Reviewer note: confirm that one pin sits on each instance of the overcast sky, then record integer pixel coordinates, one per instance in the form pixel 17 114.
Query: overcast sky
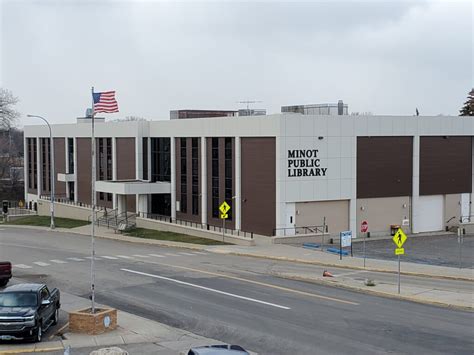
pixel 381 57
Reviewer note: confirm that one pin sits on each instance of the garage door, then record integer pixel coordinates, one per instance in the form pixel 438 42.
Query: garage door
pixel 431 212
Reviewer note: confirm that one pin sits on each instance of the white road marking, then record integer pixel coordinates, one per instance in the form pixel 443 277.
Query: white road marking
pixel 22 266
pixel 350 273
pixel 200 252
pixel 40 263
pixel 76 259
pixel 157 255
pixel 206 288
pixel 58 261
pixel 170 254
pixel 90 257
pixel 109 257
pixel 124 256
pixel 141 256
pixel 187 254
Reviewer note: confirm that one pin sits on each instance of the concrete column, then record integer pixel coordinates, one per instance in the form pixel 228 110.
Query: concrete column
pixel 238 195
pixel 121 203
pixel 143 204
pixel 66 150
pixel 76 183
pixel 203 180
pixel 472 182
pixel 39 166
pixel 114 169
pixel 26 178
pixel 353 201
pixel 416 185
pixel 138 163
pixel 173 177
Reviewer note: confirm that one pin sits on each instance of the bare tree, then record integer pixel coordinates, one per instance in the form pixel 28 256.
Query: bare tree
pixel 8 114
pixel 130 119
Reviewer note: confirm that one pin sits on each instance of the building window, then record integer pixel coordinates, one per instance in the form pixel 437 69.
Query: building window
pixel 215 177
pixel 70 152
pixel 160 159
pixel 101 164
pixel 35 163
pixel 195 175
pixel 228 174
pixel 71 190
pixel 145 158
pixel 46 173
pixel 30 162
pixel 184 177
pixel 109 175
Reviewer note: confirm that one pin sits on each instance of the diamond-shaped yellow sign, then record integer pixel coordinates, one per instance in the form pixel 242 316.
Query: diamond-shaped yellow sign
pixel 399 238
pixel 224 207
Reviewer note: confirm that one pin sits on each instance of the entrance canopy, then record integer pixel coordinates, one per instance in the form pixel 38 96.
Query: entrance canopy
pixel 133 187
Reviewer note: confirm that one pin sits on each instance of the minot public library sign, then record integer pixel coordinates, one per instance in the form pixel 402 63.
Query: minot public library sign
pixel 305 162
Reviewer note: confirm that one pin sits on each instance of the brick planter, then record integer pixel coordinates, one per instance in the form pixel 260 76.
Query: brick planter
pixel 83 321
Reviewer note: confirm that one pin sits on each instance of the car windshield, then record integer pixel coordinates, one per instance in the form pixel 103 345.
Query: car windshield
pixel 17 299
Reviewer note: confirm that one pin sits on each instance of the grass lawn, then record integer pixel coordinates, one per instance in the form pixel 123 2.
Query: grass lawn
pixel 174 237
pixel 45 221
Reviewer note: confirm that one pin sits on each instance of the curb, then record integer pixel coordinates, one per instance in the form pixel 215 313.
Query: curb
pixel 377 293
pixel 313 262
pixel 29 350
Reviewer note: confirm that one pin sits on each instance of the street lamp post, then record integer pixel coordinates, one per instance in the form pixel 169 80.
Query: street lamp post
pixel 51 159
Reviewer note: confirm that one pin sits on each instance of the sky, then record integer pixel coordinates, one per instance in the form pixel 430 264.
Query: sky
pixel 387 58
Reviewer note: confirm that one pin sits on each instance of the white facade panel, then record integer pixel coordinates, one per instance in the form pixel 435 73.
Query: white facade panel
pixel 431 213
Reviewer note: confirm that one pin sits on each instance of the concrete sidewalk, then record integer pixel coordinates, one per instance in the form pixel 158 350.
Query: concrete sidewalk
pixel 132 329
pixel 317 257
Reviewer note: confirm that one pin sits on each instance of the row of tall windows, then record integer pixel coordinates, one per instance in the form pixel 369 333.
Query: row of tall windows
pixel 228 173
pixel 70 152
pixel 160 159
pixel 195 175
pixel 184 176
pixel 215 176
pixel 46 171
pixel 105 164
pixel 32 163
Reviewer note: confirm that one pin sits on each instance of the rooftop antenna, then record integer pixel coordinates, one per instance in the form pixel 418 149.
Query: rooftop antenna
pixel 248 102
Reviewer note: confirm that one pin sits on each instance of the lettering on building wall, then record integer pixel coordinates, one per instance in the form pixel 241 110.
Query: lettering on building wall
pixel 305 162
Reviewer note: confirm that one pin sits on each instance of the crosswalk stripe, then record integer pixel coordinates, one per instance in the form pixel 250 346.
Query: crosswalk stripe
pixel 141 256
pixel 40 263
pixel 22 266
pixel 58 261
pixel 124 256
pixel 187 254
pixel 109 257
pixel 157 255
pixel 76 259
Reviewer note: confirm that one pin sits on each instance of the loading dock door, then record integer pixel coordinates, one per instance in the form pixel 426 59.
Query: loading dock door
pixel 431 213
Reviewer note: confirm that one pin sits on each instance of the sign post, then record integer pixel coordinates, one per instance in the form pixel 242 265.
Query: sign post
pixel 345 240
pixel 224 208
pixel 399 239
pixel 364 228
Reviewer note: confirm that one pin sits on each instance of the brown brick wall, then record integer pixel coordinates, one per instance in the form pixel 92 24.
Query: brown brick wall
pixel 258 181
pixel 126 165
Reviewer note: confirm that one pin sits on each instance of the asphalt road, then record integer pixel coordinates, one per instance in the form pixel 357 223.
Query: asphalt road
pixel 433 250
pixel 236 299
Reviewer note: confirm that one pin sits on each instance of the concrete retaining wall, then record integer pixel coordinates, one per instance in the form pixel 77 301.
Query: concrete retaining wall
pixel 469 227
pixel 196 232
pixel 307 238
pixel 63 210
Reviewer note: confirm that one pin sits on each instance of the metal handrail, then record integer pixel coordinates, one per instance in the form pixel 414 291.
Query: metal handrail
pixel 304 229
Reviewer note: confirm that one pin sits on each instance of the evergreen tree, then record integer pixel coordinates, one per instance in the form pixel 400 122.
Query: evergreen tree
pixel 468 108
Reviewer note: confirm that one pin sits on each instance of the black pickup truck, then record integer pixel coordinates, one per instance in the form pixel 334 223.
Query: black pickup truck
pixel 27 311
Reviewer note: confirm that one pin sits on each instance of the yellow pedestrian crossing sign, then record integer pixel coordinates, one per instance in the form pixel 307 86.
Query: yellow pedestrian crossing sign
pixel 400 251
pixel 224 207
pixel 399 239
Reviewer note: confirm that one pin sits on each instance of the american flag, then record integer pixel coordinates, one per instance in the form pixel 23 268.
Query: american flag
pixel 105 102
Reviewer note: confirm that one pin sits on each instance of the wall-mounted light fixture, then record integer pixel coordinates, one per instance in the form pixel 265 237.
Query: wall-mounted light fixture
pixel 404 205
pixel 320 137
pixel 362 208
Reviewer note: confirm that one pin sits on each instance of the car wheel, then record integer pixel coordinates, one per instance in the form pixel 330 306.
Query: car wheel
pixel 56 316
pixel 39 333
pixel 3 282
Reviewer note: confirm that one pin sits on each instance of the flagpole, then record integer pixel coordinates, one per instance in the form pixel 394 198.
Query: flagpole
pixel 93 202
